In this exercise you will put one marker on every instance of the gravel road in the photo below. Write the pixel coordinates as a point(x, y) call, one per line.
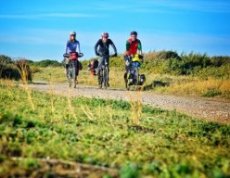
point(212, 110)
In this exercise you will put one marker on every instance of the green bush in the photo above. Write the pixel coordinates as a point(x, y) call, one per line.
point(23, 67)
point(10, 69)
point(5, 60)
point(212, 92)
point(168, 62)
point(167, 55)
point(47, 63)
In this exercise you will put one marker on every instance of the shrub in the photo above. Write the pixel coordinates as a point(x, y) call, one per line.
point(10, 69)
point(5, 60)
point(218, 61)
point(47, 63)
point(212, 92)
point(24, 69)
point(167, 55)
point(35, 69)
point(162, 55)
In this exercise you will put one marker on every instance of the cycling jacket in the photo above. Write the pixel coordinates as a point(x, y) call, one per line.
point(72, 46)
point(133, 46)
point(102, 48)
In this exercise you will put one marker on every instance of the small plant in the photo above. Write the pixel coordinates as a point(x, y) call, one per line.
point(26, 76)
point(136, 107)
point(212, 92)
point(129, 171)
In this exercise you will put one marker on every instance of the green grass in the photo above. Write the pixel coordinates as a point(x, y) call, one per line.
point(100, 132)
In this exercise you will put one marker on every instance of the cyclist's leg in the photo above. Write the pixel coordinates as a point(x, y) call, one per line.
point(127, 64)
point(100, 63)
point(77, 71)
point(107, 74)
point(135, 74)
point(69, 75)
point(99, 72)
point(127, 69)
point(67, 71)
point(75, 68)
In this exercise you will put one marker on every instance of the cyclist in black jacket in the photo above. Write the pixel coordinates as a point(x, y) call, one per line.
point(102, 49)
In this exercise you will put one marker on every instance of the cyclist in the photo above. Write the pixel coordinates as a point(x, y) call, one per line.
point(133, 54)
point(72, 50)
point(102, 49)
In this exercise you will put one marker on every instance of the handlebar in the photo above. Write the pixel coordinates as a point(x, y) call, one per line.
point(66, 55)
point(111, 55)
point(80, 55)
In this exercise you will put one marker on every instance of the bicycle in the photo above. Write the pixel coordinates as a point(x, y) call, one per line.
point(132, 76)
point(72, 67)
point(103, 72)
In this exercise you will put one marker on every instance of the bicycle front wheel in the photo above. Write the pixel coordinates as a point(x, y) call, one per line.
point(106, 77)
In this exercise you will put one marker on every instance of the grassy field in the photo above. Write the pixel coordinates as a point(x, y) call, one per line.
point(167, 72)
point(136, 140)
point(168, 84)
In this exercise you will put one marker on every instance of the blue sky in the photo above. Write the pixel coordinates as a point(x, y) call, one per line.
point(39, 29)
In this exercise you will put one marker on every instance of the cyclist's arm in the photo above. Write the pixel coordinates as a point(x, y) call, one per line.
point(96, 48)
point(127, 47)
point(66, 48)
point(139, 47)
point(79, 46)
point(114, 47)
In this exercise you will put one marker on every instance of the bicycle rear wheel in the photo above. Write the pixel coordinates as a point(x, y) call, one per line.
point(106, 77)
point(100, 78)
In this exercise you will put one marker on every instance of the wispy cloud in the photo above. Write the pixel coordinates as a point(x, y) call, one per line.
point(46, 15)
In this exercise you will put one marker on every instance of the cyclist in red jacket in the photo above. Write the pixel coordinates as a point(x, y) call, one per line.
point(133, 50)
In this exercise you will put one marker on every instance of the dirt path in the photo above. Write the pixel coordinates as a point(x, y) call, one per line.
point(211, 110)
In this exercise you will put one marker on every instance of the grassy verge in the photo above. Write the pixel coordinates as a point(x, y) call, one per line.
point(168, 84)
point(100, 132)
point(190, 86)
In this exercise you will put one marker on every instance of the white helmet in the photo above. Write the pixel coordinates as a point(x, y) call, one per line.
point(105, 34)
point(72, 33)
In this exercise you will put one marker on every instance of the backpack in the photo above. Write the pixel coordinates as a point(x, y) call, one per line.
point(73, 56)
point(142, 79)
point(93, 65)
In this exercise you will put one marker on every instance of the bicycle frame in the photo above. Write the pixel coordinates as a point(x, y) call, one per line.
point(103, 74)
point(132, 76)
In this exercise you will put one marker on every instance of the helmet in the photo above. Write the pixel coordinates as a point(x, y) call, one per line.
point(72, 33)
point(105, 34)
point(133, 33)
